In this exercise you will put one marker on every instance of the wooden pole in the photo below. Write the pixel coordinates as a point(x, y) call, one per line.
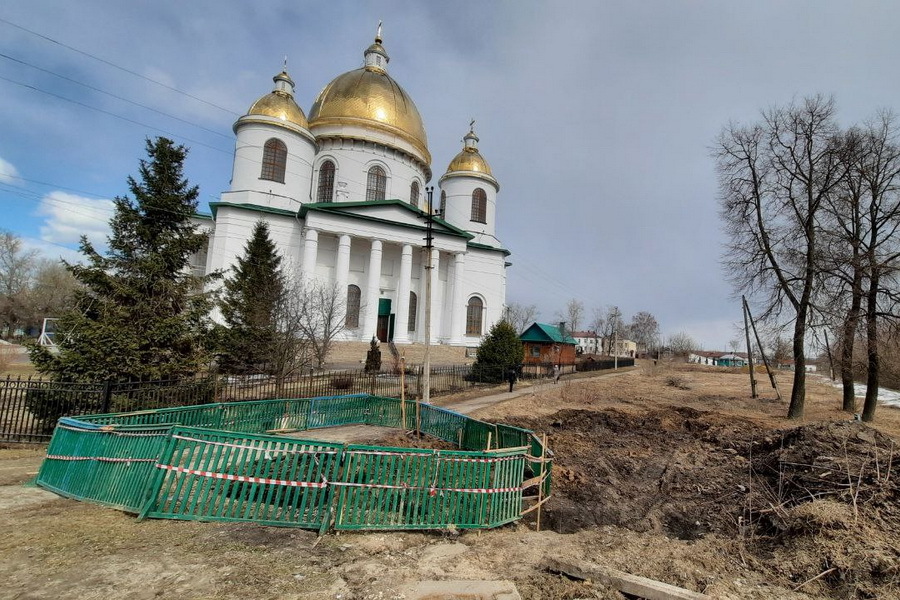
point(403, 393)
point(749, 349)
point(488, 447)
point(543, 477)
point(763, 355)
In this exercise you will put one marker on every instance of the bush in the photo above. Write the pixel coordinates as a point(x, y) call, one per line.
point(47, 404)
point(342, 382)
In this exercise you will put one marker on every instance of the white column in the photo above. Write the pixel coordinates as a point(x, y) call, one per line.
point(310, 251)
point(437, 294)
point(373, 291)
point(342, 264)
point(456, 310)
point(341, 272)
point(401, 320)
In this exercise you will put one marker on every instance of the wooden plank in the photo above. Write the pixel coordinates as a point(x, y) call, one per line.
point(534, 480)
point(531, 508)
point(624, 582)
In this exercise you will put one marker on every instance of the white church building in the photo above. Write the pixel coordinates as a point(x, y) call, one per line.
point(343, 193)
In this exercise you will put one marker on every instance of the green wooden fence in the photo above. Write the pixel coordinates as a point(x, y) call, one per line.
point(217, 462)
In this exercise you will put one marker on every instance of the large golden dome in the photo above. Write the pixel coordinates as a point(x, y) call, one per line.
point(369, 97)
point(279, 104)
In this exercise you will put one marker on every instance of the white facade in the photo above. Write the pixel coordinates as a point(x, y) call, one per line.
point(343, 195)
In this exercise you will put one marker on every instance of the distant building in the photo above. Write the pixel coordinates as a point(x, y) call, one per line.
point(718, 359)
point(589, 342)
point(547, 344)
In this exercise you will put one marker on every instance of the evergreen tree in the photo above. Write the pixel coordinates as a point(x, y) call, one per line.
point(500, 350)
point(139, 313)
point(250, 306)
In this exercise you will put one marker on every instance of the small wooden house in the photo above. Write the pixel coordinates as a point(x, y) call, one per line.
point(549, 345)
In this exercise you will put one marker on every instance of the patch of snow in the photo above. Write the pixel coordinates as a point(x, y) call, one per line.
point(885, 396)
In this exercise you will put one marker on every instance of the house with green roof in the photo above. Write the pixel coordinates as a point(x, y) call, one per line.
point(549, 345)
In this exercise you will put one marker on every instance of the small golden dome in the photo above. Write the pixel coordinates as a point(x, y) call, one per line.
point(281, 106)
point(469, 159)
point(369, 97)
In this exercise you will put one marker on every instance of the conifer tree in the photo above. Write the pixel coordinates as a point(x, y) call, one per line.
point(251, 305)
point(500, 350)
point(139, 313)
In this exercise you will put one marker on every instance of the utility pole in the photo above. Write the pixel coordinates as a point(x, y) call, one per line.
point(429, 236)
point(749, 349)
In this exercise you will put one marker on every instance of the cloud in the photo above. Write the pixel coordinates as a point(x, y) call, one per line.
point(68, 217)
point(8, 172)
point(52, 251)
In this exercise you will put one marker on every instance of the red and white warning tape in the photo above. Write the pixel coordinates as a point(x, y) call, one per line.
point(436, 456)
point(432, 490)
point(113, 431)
point(100, 458)
point(246, 447)
point(244, 478)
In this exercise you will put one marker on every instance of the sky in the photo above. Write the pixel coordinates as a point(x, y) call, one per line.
point(597, 118)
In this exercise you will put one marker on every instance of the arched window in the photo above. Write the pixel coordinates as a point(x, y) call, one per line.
point(413, 309)
point(274, 160)
point(443, 204)
point(326, 182)
point(376, 184)
point(353, 297)
point(473, 316)
point(414, 194)
point(479, 206)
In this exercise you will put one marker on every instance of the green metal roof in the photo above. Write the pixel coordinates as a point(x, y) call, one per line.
point(542, 332)
point(214, 206)
point(341, 208)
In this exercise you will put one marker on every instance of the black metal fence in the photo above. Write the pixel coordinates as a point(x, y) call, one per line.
point(30, 407)
point(606, 363)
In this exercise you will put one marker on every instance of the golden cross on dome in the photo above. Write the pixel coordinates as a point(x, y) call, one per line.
point(378, 33)
point(472, 126)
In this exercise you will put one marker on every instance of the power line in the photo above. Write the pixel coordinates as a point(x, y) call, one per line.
point(112, 114)
point(111, 95)
point(115, 66)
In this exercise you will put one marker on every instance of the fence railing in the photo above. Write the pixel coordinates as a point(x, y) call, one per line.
point(31, 406)
point(221, 462)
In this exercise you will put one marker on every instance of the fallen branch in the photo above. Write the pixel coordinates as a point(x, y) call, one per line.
point(822, 574)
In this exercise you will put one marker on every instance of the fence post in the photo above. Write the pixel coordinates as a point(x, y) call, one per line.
point(107, 396)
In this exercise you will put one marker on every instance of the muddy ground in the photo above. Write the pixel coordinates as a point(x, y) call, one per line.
point(671, 473)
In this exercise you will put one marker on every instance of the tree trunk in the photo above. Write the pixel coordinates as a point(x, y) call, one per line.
point(798, 391)
point(849, 335)
point(872, 350)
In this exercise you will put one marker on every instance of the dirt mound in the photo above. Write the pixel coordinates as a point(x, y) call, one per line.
point(814, 506)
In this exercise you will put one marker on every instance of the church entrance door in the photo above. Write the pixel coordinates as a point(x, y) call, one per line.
point(385, 326)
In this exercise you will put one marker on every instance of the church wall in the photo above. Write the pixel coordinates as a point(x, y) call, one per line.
point(248, 157)
point(459, 207)
point(485, 276)
point(354, 158)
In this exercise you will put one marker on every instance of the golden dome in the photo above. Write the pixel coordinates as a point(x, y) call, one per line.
point(369, 97)
point(469, 159)
point(280, 106)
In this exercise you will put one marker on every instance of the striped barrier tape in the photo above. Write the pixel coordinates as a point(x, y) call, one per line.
point(112, 431)
point(432, 491)
point(100, 458)
point(436, 456)
point(246, 447)
point(243, 478)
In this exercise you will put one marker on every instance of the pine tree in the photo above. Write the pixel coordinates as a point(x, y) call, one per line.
point(250, 306)
point(139, 312)
point(500, 350)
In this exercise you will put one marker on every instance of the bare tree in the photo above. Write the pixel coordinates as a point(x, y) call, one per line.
point(17, 267)
point(644, 330)
point(321, 318)
point(573, 314)
point(608, 324)
point(774, 178)
point(681, 344)
point(521, 316)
